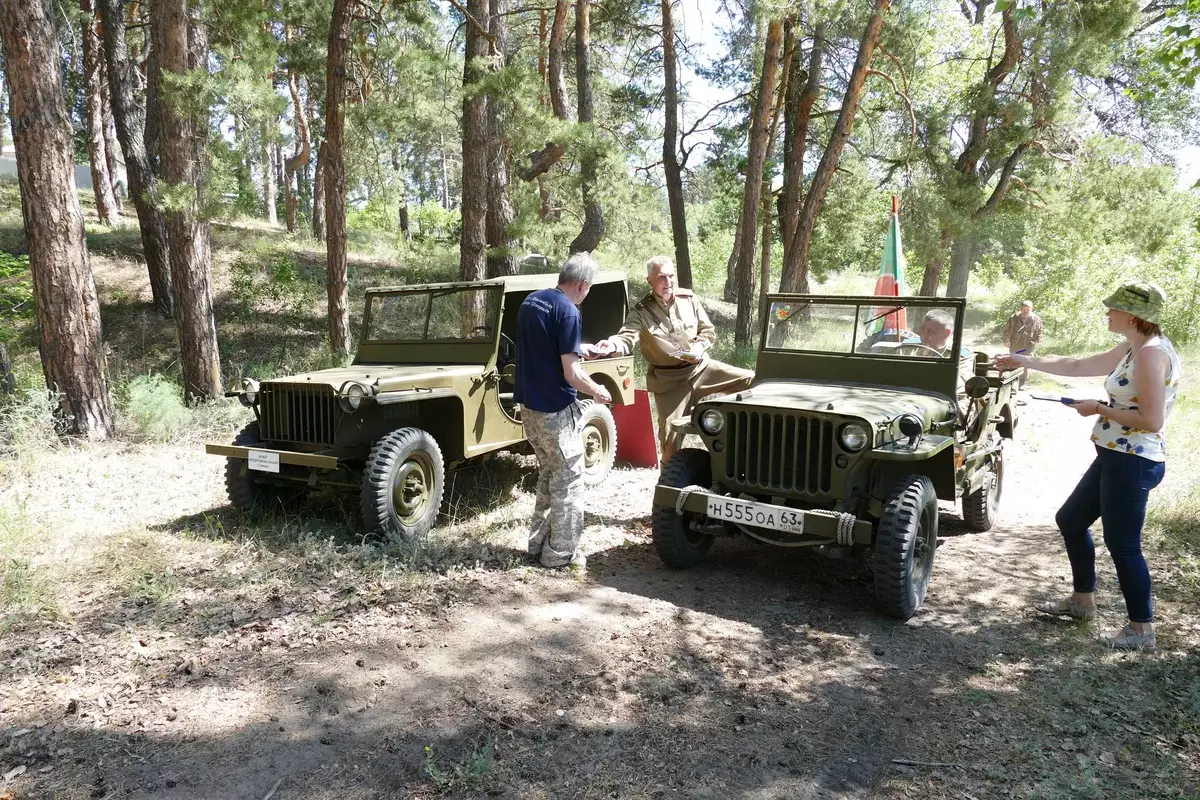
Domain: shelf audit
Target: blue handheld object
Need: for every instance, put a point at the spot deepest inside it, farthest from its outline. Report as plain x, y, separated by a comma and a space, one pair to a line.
1017, 353
1067, 401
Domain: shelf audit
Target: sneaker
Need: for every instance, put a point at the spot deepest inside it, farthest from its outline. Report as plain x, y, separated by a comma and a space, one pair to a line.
577, 564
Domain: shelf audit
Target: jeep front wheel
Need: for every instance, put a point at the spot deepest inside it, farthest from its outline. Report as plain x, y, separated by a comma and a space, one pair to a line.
246, 494
402, 485
981, 507
904, 546
599, 432
678, 545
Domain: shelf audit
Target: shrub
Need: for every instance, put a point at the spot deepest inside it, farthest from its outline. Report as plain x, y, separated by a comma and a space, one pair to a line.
156, 405
28, 425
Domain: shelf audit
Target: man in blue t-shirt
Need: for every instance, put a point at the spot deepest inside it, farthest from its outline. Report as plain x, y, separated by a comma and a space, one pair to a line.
549, 375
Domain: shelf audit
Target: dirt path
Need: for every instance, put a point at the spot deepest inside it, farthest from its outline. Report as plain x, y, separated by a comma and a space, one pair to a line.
761, 674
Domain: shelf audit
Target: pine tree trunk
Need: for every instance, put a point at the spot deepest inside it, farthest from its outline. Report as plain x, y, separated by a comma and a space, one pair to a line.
671, 166
756, 155
318, 212
557, 77
472, 264
799, 112
593, 216
796, 270
131, 133
962, 258
335, 178
112, 147
180, 39
730, 293
268, 180
102, 187
933, 270
303, 151
153, 132
68, 310
500, 213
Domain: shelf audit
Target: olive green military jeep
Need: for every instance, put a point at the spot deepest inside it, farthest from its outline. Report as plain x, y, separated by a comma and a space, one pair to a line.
430, 389
852, 432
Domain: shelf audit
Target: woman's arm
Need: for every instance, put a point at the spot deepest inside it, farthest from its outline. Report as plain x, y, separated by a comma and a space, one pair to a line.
1150, 382
1086, 367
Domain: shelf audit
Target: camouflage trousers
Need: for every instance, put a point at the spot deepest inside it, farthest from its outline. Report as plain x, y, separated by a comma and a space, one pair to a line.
557, 523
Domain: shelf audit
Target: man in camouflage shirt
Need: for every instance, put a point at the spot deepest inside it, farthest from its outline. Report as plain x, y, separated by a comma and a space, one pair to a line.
675, 335
1023, 331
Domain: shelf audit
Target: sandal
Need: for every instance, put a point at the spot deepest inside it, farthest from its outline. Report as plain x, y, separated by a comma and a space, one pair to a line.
1129, 639
1067, 607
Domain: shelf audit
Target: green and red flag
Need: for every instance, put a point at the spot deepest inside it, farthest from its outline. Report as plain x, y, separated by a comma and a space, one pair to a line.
890, 282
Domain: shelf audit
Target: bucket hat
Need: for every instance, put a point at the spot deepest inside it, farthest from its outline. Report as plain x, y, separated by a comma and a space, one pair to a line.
1141, 298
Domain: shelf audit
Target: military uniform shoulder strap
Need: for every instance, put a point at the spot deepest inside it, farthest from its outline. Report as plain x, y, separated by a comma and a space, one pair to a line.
684, 293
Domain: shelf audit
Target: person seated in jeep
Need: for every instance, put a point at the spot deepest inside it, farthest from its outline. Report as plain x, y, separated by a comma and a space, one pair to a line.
936, 332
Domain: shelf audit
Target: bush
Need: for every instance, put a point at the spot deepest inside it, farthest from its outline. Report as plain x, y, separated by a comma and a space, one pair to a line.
156, 405
433, 221
27, 424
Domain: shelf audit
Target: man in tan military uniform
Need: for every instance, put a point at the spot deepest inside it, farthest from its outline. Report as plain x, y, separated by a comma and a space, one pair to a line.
675, 335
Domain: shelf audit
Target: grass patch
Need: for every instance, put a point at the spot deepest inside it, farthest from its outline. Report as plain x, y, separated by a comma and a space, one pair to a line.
471, 773
155, 404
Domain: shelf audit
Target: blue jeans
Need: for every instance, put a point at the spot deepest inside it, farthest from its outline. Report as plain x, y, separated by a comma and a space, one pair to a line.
1114, 489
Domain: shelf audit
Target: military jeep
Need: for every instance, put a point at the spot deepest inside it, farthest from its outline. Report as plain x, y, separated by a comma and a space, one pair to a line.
852, 432
430, 389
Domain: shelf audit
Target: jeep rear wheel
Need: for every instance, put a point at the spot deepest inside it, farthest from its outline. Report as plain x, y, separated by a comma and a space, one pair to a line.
904, 546
981, 507
599, 432
246, 494
677, 544
402, 485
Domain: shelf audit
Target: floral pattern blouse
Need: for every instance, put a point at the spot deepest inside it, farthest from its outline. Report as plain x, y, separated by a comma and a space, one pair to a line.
1122, 394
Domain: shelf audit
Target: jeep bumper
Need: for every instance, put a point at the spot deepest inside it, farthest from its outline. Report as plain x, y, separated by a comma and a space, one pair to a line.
823, 524
311, 460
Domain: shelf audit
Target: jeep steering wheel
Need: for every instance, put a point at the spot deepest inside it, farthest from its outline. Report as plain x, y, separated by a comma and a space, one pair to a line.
506, 353
917, 347
481, 332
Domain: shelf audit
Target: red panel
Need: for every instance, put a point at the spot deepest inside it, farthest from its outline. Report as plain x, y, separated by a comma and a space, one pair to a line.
636, 444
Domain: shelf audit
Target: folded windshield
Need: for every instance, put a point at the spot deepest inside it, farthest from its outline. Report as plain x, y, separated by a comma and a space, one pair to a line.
433, 316
913, 329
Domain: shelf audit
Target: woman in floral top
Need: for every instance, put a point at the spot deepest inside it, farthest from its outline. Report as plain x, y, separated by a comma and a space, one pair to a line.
1143, 380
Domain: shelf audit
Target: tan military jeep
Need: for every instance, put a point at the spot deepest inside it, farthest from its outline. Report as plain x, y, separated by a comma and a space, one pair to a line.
430, 390
854, 429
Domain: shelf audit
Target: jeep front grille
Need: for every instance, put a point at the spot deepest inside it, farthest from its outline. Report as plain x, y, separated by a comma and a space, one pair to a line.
305, 413
786, 452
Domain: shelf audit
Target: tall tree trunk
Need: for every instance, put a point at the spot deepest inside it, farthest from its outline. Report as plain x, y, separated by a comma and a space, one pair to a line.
933, 270
756, 155
557, 77
112, 147
796, 269
445, 188
543, 33
500, 214
593, 216
130, 130
335, 177
671, 166
299, 158
154, 124
268, 180
730, 294
962, 256
102, 187
180, 39
471, 263
68, 310
318, 212
801, 98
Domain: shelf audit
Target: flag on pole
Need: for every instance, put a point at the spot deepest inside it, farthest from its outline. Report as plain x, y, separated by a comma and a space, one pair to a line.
890, 282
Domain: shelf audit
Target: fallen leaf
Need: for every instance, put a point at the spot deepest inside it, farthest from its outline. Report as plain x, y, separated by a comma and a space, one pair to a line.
14, 772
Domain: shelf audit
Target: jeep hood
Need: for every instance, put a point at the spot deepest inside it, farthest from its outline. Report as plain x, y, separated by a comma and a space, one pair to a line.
387, 378
875, 404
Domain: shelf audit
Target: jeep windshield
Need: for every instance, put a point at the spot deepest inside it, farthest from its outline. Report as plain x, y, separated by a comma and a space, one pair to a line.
435, 315
884, 327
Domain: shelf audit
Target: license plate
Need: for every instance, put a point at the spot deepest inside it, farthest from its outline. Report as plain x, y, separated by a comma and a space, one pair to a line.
264, 461
760, 515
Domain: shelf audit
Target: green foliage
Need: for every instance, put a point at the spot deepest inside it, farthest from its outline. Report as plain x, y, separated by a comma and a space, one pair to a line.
268, 279
16, 291
155, 404
431, 221
470, 773
28, 425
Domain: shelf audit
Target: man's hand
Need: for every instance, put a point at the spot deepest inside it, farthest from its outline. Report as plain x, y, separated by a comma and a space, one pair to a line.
601, 395
602, 348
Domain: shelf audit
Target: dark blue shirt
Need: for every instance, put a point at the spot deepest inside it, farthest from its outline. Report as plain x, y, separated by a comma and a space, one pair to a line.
548, 328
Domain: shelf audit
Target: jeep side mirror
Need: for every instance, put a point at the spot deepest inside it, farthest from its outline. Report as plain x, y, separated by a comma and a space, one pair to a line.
977, 386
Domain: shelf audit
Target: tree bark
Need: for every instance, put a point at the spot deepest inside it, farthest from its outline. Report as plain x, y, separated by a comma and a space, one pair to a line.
962, 257
933, 270
730, 294
796, 269
474, 203
543, 33
671, 166
143, 184
68, 309
303, 150
335, 177
799, 113
318, 208
180, 39
102, 185
557, 77
112, 147
500, 214
593, 216
756, 155
268, 180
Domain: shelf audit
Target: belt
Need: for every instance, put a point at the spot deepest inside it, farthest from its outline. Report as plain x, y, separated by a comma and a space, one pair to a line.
673, 366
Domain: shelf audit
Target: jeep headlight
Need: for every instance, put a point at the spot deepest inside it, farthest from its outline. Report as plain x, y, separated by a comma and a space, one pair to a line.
249, 394
351, 394
853, 437
711, 421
